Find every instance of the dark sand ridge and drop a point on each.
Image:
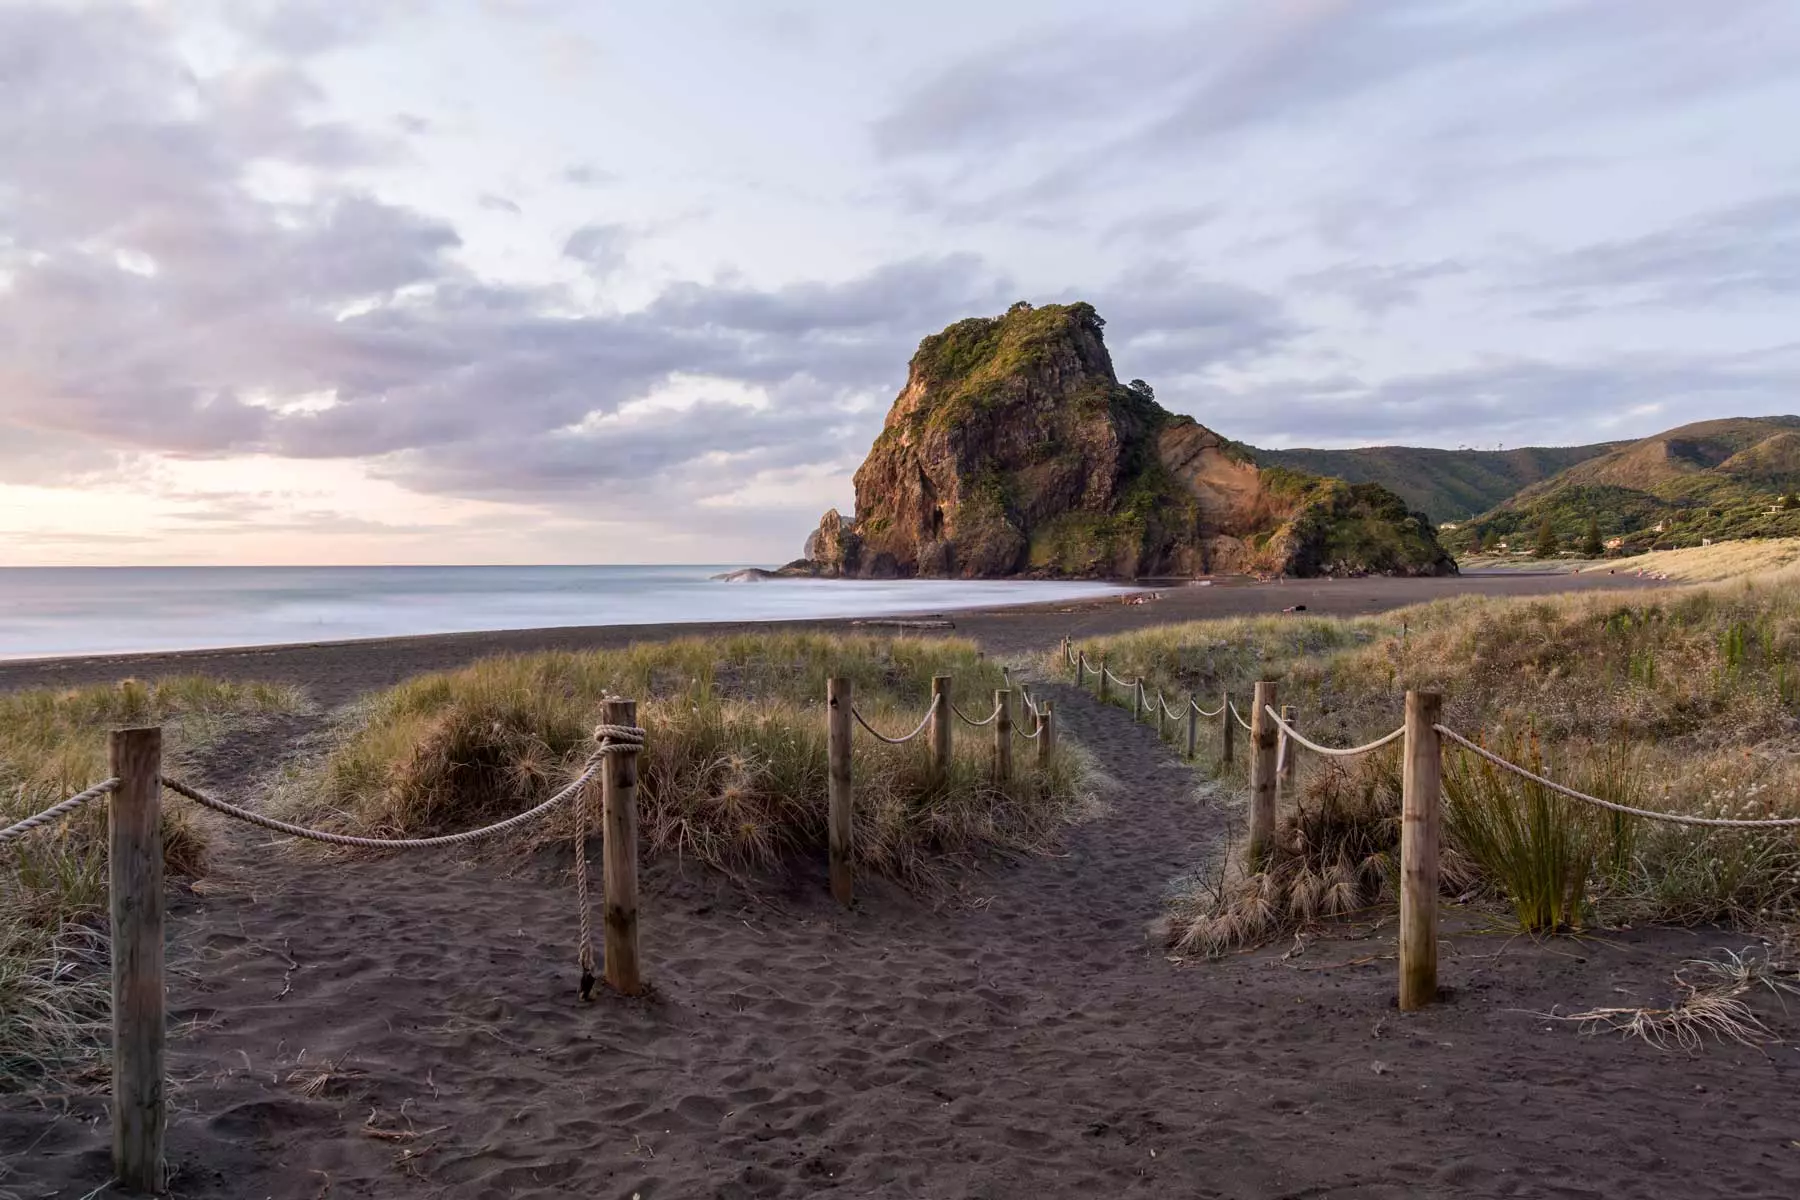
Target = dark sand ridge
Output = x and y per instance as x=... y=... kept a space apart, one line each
x=1023 y=1039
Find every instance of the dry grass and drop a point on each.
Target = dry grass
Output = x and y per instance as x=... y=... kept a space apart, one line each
x=1683 y=698
x=1717 y=563
x=53 y=987
x=733 y=774
x=1709 y=1002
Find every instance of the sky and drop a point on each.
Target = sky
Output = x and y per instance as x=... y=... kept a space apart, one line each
x=508 y=281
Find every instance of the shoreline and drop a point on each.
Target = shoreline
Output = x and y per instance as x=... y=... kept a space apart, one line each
x=333 y=672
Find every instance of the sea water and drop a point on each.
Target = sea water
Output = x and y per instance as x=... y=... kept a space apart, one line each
x=56 y=611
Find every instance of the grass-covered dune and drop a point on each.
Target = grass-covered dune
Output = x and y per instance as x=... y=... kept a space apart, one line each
x=1681 y=699
x=733 y=770
x=53 y=743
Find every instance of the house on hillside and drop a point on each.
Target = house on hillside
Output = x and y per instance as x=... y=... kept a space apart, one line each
x=1615 y=543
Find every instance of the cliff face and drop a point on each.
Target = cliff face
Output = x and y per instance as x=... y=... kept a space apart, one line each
x=1014 y=450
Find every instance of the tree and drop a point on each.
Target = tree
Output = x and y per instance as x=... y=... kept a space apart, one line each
x=1591 y=545
x=1790 y=502
x=1547 y=545
x=1143 y=389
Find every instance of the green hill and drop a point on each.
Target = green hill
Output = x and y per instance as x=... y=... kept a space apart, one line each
x=1447 y=485
x=1712 y=479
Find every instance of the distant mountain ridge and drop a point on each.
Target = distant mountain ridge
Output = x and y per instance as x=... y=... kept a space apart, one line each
x=1447 y=485
x=1729 y=478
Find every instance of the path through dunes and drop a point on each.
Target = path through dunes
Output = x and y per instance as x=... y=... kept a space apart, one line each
x=408 y=1028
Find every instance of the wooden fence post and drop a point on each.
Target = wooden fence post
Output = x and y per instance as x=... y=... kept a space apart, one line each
x=1288 y=752
x=1421 y=793
x=1103 y=681
x=135 y=852
x=619 y=820
x=1193 y=727
x=942 y=720
x=1227 y=733
x=1137 y=699
x=1262 y=776
x=1046 y=734
x=838 y=699
x=1003 y=735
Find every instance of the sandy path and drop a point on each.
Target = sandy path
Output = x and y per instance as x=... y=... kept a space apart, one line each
x=1027 y=1042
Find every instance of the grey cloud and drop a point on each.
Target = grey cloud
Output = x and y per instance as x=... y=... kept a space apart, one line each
x=600 y=248
x=1378 y=288
x=1512 y=402
x=586 y=175
x=1750 y=251
x=1163 y=321
x=499 y=204
x=306 y=27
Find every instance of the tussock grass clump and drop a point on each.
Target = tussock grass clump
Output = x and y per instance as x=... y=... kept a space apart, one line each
x=53 y=743
x=1682 y=699
x=1334 y=854
x=733 y=772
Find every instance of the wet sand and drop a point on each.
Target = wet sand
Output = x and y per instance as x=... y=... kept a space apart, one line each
x=408 y=1027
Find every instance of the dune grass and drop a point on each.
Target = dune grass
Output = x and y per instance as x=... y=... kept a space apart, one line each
x=1685 y=699
x=733 y=773
x=53 y=743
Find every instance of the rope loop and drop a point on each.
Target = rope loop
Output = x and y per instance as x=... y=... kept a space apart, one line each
x=924 y=723
x=1331 y=751
x=991 y=717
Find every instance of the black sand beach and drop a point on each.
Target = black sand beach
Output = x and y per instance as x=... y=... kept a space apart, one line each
x=407 y=1026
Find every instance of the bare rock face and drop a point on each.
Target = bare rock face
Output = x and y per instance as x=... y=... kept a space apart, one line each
x=1014 y=450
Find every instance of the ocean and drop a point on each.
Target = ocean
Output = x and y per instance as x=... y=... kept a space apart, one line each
x=61 y=611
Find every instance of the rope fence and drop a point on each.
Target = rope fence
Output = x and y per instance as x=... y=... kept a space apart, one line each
x=1275 y=742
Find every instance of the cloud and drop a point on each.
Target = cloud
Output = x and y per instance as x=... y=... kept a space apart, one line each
x=1378 y=288
x=587 y=175
x=495 y=203
x=1511 y=402
x=600 y=248
x=1748 y=252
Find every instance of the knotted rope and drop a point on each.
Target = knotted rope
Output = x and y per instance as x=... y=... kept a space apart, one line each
x=1647 y=813
x=1331 y=751
x=898 y=741
x=56 y=811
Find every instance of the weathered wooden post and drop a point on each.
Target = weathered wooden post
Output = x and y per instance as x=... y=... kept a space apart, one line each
x=1421 y=795
x=838 y=699
x=619 y=820
x=1227 y=733
x=1193 y=727
x=1046 y=734
x=1262 y=775
x=135 y=865
x=1137 y=699
x=1289 y=750
x=1103 y=680
x=941 y=723
x=1003 y=737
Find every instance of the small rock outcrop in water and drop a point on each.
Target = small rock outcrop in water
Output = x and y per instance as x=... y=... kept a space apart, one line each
x=1013 y=449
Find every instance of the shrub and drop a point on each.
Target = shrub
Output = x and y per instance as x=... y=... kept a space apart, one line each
x=733 y=771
